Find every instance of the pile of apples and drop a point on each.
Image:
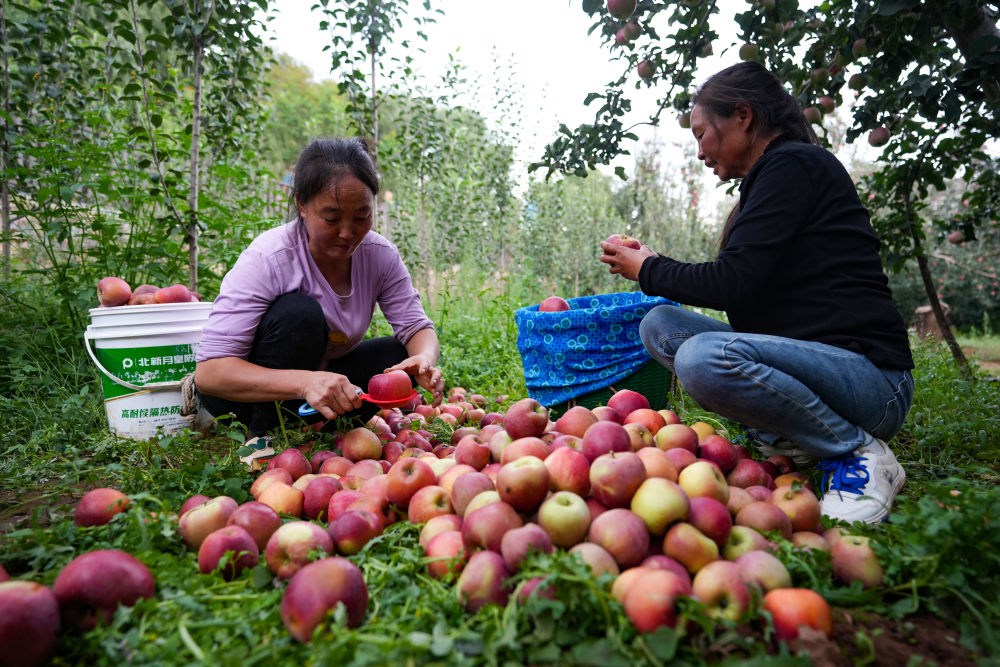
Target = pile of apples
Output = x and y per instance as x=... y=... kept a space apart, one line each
x=670 y=510
x=113 y=291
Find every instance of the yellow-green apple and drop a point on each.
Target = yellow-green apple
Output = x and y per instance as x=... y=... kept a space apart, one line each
x=283 y=499
x=29 y=624
x=529 y=446
x=523 y=483
x=854 y=559
x=704 y=478
x=671 y=436
x=194 y=501
x=481 y=499
x=517 y=542
x=621 y=9
x=497 y=443
x=720 y=451
x=792 y=608
x=681 y=458
x=335 y=465
x=98 y=506
x=553 y=304
x=317 y=589
x=175 y=293
x=365 y=469
x=805 y=539
x=429 y=501
x=569 y=470
x=660 y=502
x=834 y=533
x=800 y=504
x=763 y=569
x=689 y=546
x=438 y=524
x=361 y=443
x=393 y=385
x=441 y=466
x=467 y=487
x=267 y=477
x=614 y=477
x=749 y=51
x=712 y=518
x=657 y=463
x=340 y=501
x=661 y=562
x=565 y=518
x=257 y=519
x=597 y=557
x=302 y=482
x=197 y=523
x=743 y=539
x=575 y=421
x=639 y=436
x=405 y=478
x=113 y=291
x=669 y=416
x=526 y=418
x=763 y=516
x=625 y=401
x=353 y=529
x=720 y=588
x=294 y=461
x=606 y=413
x=648 y=417
x=703 y=429
x=738 y=498
x=485 y=527
x=235 y=544
x=288 y=548
x=473 y=451
x=446 y=554
x=91 y=586
x=316 y=497
x=650 y=600
x=483 y=581
x=623 y=534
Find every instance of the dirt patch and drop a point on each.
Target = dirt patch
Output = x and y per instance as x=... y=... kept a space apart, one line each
x=19 y=509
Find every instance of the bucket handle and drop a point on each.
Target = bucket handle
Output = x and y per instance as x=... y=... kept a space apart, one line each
x=155 y=385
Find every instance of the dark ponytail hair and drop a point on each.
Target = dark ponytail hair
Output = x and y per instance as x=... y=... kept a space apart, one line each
x=774 y=111
x=325 y=161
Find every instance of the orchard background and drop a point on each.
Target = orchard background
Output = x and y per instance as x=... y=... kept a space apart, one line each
x=150 y=140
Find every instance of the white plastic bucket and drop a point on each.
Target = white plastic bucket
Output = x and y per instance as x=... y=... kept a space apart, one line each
x=143 y=352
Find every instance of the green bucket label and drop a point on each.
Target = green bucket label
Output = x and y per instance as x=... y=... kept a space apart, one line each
x=144 y=365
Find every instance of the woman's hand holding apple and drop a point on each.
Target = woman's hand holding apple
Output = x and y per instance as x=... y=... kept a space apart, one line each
x=427 y=374
x=624 y=261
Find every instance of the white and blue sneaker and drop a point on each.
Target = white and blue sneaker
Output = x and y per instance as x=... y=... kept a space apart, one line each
x=862 y=485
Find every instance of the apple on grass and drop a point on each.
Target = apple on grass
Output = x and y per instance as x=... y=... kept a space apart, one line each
x=763 y=569
x=113 y=291
x=446 y=555
x=660 y=502
x=98 y=506
x=231 y=549
x=596 y=557
x=485 y=527
x=29 y=624
x=197 y=523
x=294 y=461
x=316 y=497
x=483 y=581
x=283 y=499
x=91 y=586
x=565 y=518
x=806 y=539
x=353 y=529
x=623 y=534
x=257 y=519
x=518 y=542
x=764 y=516
x=721 y=590
x=429 y=501
x=523 y=483
x=289 y=548
x=268 y=477
x=650 y=601
x=405 y=478
x=194 y=501
x=854 y=559
x=317 y=589
x=792 y=608
x=800 y=504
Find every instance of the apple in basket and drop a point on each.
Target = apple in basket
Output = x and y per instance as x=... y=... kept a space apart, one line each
x=553 y=304
x=392 y=386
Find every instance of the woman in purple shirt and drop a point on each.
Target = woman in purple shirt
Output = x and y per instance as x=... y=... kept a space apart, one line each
x=290 y=319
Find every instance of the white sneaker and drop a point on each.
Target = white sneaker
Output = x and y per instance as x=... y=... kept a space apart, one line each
x=862 y=485
x=782 y=447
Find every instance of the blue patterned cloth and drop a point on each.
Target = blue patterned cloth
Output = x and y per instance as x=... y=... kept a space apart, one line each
x=595 y=344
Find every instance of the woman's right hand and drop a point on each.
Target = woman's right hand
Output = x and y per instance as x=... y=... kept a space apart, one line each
x=332 y=394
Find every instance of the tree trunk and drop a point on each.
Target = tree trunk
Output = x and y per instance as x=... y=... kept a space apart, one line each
x=195 y=166
x=965 y=31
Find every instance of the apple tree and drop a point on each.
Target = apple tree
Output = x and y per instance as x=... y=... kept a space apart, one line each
x=923 y=80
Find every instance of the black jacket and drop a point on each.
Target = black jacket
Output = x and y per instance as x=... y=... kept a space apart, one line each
x=801 y=261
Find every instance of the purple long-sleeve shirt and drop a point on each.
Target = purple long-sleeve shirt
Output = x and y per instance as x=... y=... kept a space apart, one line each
x=278 y=262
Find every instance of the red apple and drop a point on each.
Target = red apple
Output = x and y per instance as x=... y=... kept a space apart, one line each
x=623 y=534
x=232 y=541
x=429 y=501
x=800 y=504
x=569 y=470
x=721 y=590
x=763 y=516
x=365 y=469
x=353 y=529
x=196 y=500
x=483 y=581
x=91 y=586
x=283 y=499
x=646 y=69
x=651 y=600
x=596 y=557
x=763 y=569
x=438 y=524
x=657 y=463
x=565 y=518
x=738 y=499
x=268 y=477
x=484 y=527
x=390 y=386
x=518 y=542
x=361 y=443
x=336 y=465
x=98 y=506
x=614 y=478
x=720 y=451
x=176 y=293
x=681 y=458
x=526 y=418
x=446 y=554
x=712 y=518
x=316 y=497
x=604 y=437
x=29 y=623
x=197 y=523
x=879 y=136
x=288 y=548
x=113 y=291
x=661 y=562
x=553 y=304
x=294 y=461
x=671 y=436
x=523 y=483
x=575 y=421
x=792 y=608
x=648 y=417
x=406 y=477
x=854 y=560
x=257 y=519
x=606 y=413
x=621 y=9
x=467 y=487
x=316 y=590
x=625 y=401
x=473 y=451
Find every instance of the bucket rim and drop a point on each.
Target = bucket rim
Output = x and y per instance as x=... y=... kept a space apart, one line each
x=150 y=307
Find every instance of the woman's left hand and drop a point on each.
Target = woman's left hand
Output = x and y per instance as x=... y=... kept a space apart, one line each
x=427 y=374
x=626 y=262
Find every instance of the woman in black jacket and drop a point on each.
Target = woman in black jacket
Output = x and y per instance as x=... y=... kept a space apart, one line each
x=815 y=359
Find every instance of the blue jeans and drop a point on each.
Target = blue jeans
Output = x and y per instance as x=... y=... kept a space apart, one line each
x=820 y=397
